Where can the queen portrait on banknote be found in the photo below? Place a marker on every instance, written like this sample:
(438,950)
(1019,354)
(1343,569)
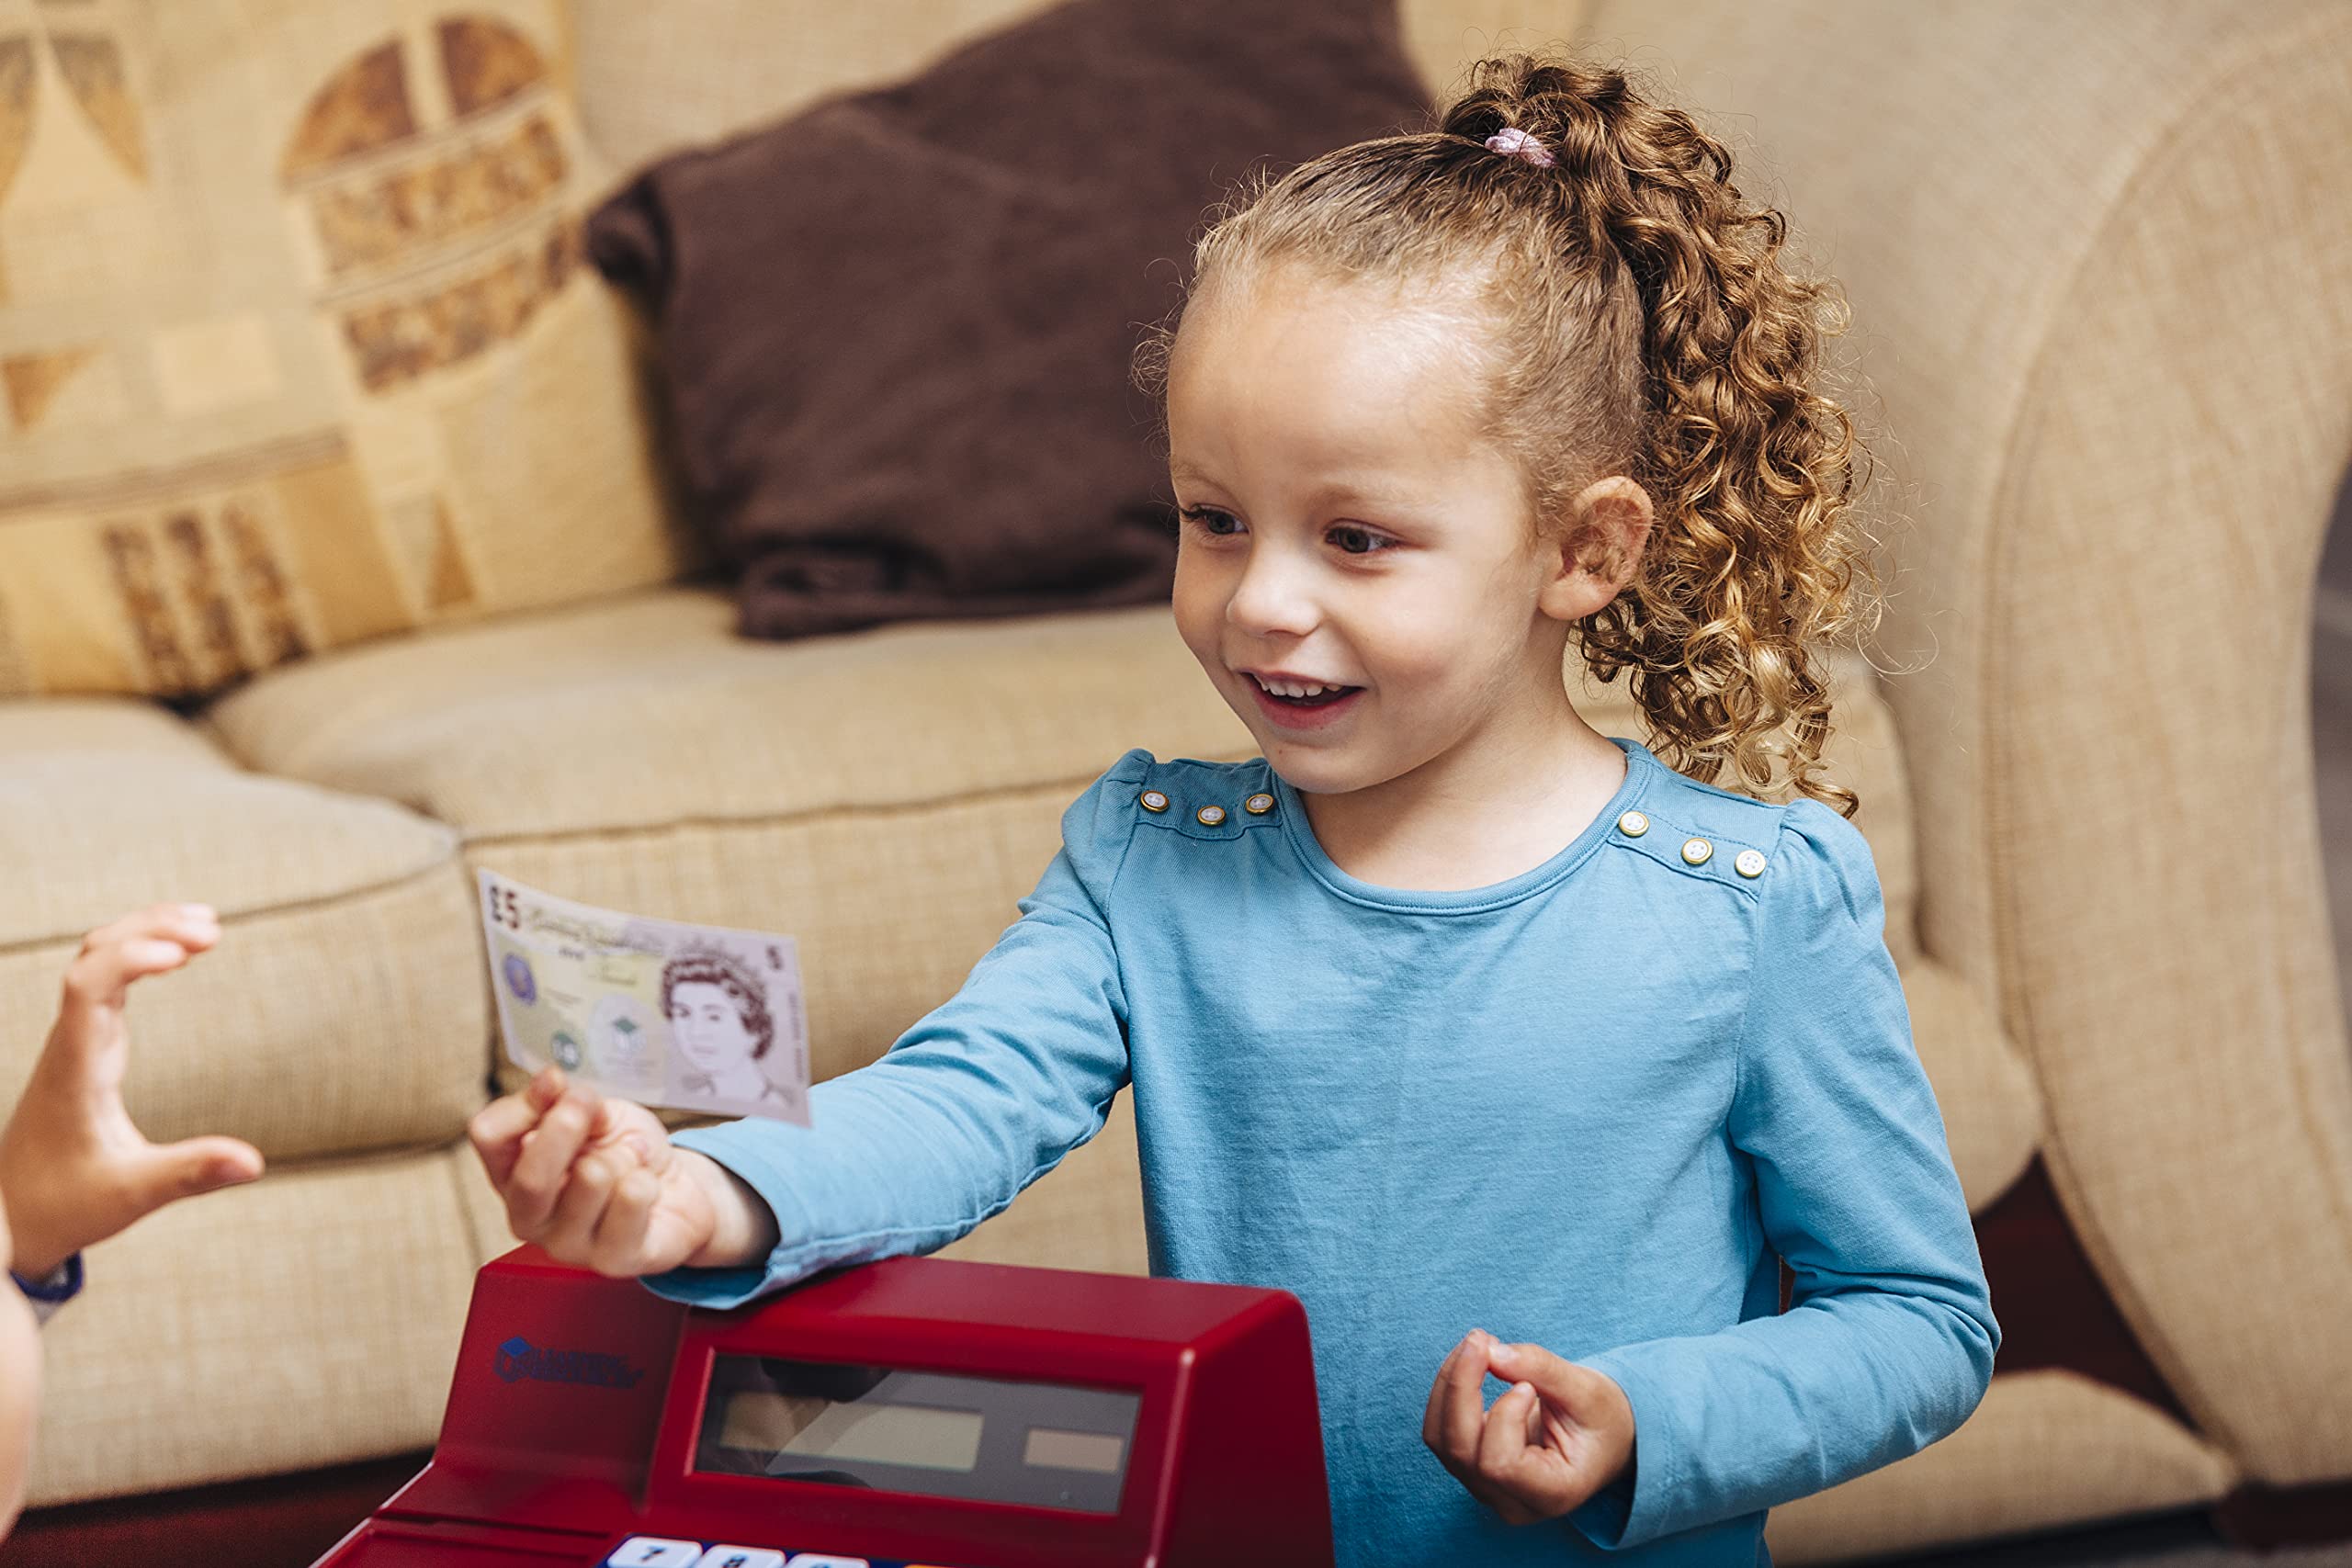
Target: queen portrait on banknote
(719,1021)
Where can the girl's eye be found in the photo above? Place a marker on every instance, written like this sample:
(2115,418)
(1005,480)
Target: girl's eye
(1202,518)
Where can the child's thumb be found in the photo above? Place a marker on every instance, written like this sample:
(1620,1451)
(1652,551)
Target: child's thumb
(192,1166)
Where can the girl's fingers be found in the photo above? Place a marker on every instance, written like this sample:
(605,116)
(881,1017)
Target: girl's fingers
(194,926)
(1554,1376)
(653,1154)
(97,979)
(1502,1440)
(156,920)
(1432,1424)
(1461,1410)
(191,926)
(546,1088)
(618,1247)
(496,1132)
(622,1136)
(1518,1485)
(539,1174)
(571,1228)
(190,1169)
(612,1120)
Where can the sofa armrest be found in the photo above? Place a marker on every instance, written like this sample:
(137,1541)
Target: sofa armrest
(2100,263)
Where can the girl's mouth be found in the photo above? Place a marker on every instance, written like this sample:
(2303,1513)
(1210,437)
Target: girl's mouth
(1303,713)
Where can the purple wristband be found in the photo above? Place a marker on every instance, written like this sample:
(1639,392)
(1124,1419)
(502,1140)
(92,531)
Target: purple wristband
(47,1295)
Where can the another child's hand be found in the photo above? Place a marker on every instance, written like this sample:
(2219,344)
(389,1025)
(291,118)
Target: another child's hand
(597,1182)
(1562,1433)
(73,1169)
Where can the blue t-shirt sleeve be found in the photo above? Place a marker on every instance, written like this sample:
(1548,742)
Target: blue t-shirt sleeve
(1888,1342)
(982,1095)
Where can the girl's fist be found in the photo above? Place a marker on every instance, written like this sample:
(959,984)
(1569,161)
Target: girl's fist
(598,1183)
(1559,1434)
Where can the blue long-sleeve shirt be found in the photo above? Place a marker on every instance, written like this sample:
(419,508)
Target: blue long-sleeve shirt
(1585,1106)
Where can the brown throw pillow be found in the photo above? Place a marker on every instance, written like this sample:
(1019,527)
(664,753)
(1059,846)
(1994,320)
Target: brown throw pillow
(896,327)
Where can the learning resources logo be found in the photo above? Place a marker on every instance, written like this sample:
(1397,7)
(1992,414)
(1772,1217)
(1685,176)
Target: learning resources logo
(519,1358)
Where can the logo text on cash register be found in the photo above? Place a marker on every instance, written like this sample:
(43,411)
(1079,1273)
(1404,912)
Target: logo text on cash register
(519,1358)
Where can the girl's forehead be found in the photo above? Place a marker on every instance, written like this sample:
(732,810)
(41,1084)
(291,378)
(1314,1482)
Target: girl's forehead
(1340,376)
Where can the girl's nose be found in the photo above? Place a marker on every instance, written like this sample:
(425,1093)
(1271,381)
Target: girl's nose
(1273,595)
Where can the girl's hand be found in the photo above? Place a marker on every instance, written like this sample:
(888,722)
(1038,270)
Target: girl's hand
(597,1182)
(74,1169)
(1560,1434)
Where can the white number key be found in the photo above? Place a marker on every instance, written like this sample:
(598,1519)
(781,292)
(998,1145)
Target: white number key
(653,1551)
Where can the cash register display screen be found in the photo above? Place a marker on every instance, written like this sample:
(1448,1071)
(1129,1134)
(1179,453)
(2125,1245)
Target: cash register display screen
(1045,1445)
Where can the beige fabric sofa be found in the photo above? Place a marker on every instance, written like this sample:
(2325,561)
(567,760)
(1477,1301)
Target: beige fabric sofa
(2100,257)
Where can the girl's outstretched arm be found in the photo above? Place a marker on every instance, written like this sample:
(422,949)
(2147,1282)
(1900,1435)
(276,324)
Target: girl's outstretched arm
(981,1097)
(1888,1342)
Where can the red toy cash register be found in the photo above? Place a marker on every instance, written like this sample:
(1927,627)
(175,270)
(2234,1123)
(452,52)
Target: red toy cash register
(914,1413)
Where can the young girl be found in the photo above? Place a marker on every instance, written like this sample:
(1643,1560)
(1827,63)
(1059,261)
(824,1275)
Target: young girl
(1506,1046)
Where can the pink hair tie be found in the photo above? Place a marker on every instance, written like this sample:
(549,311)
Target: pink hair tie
(1513,142)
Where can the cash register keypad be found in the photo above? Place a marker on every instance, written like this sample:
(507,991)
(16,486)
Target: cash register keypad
(660,1552)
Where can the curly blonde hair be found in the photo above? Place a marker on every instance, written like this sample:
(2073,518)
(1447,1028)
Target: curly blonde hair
(1642,324)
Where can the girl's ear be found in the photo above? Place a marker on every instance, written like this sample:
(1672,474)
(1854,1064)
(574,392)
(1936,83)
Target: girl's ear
(1607,526)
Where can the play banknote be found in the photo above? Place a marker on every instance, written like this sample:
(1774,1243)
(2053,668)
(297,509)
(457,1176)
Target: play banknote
(696,1017)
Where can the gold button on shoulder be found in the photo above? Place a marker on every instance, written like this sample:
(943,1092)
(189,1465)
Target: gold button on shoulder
(1696,851)
(1153,800)
(1258,805)
(1210,816)
(1750,863)
(1632,824)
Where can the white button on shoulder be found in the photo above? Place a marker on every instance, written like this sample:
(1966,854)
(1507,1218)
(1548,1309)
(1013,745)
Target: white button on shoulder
(1750,863)
(740,1557)
(1632,824)
(1696,851)
(655,1551)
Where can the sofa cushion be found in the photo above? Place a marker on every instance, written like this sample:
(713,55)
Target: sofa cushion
(646,712)
(2044,1449)
(341,1008)
(298,346)
(308,1319)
